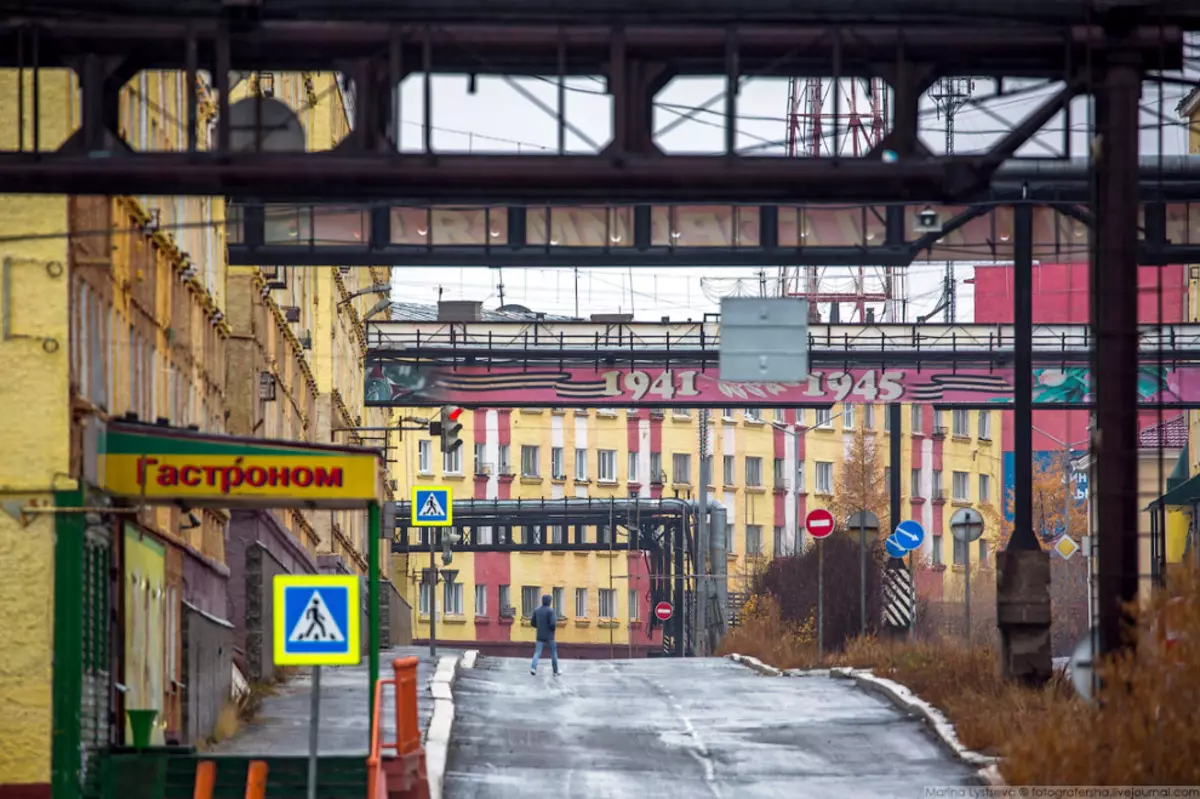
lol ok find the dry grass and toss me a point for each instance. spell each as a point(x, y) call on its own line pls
point(1143, 732)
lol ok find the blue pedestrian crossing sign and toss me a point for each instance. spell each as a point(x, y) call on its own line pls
point(432, 506)
point(317, 620)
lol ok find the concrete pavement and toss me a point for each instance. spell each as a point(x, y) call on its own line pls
point(681, 728)
point(281, 727)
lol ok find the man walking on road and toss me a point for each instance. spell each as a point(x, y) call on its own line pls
point(545, 621)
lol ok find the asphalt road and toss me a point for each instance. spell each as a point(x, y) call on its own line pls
point(282, 724)
point(681, 728)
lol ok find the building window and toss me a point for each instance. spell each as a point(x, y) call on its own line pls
point(581, 603)
point(754, 472)
point(824, 417)
point(960, 552)
point(557, 469)
point(608, 603)
point(961, 420)
point(530, 461)
point(985, 425)
point(452, 599)
point(633, 467)
point(533, 534)
point(505, 462)
point(558, 534)
point(961, 486)
point(779, 472)
point(985, 488)
point(754, 541)
point(937, 484)
point(887, 420)
point(656, 469)
point(801, 415)
point(727, 467)
point(916, 420)
point(681, 466)
point(634, 605)
point(452, 462)
point(869, 417)
point(983, 552)
point(531, 597)
point(848, 416)
point(425, 456)
point(778, 414)
point(506, 608)
point(916, 483)
point(939, 426)
point(935, 550)
point(607, 465)
point(559, 601)
point(727, 414)
point(751, 415)
point(780, 545)
point(801, 484)
point(824, 478)
point(481, 600)
point(603, 534)
point(481, 459)
point(581, 472)
point(423, 603)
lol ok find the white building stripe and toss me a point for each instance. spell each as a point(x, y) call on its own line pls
point(644, 476)
point(927, 491)
point(789, 502)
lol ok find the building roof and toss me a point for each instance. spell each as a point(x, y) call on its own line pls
point(425, 312)
point(1170, 434)
point(1188, 104)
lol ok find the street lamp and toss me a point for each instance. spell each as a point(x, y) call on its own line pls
point(863, 520)
point(966, 525)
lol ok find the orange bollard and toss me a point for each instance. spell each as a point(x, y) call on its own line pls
point(408, 733)
point(256, 780)
point(206, 778)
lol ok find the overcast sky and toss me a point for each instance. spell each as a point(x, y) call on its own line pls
point(498, 118)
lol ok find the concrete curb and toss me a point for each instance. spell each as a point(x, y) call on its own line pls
point(906, 700)
point(437, 737)
point(469, 658)
point(754, 664)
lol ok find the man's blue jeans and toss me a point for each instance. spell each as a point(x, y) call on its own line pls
point(537, 654)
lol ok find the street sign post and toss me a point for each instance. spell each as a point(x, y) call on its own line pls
point(432, 506)
point(819, 523)
point(863, 521)
point(906, 538)
point(663, 611)
point(316, 623)
point(763, 340)
point(966, 525)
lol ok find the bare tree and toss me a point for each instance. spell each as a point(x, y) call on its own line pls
point(860, 483)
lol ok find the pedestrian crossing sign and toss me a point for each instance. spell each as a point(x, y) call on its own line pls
point(432, 507)
point(317, 620)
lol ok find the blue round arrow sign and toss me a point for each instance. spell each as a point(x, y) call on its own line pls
point(893, 547)
point(909, 534)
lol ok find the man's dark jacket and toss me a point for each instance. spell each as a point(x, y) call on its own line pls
point(545, 621)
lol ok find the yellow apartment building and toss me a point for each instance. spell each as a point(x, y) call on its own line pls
point(123, 309)
point(769, 467)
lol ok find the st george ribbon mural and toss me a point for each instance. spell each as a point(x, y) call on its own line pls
point(400, 383)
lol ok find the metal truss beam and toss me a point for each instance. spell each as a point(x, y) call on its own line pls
point(709, 235)
point(483, 343)
point(636, 60)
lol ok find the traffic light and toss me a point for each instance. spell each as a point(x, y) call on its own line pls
point(451, 427)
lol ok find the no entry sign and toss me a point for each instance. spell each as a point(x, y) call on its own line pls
point(819, 523)
point(663, 611)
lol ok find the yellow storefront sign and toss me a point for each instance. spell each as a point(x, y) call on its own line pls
point(229, 472)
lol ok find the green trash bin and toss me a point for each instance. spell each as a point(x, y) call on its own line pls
point(141, 722)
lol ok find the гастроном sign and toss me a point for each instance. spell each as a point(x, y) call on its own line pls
point(398, 384)
point(171, 465)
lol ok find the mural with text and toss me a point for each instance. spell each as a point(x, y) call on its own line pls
point(391, 383)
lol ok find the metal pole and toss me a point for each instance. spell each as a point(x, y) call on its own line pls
point(967, 593)
point(895, 462)
point(862, 576)
point(1115, 352)
point(374, 533)
point(433, 581)
point(314, 726)
point(821, 598)
point(703, 566)
point(1023, 537)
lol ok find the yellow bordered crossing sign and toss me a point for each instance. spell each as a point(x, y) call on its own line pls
point(432, 506)
point(317, 620)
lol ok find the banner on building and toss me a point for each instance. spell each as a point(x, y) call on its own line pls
point(392, 383)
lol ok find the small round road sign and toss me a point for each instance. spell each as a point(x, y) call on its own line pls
point(663, 611)
point(819, 523)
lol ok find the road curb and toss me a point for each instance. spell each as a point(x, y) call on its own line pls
point(754, 664)
point(988, 771)
point(437, 737)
